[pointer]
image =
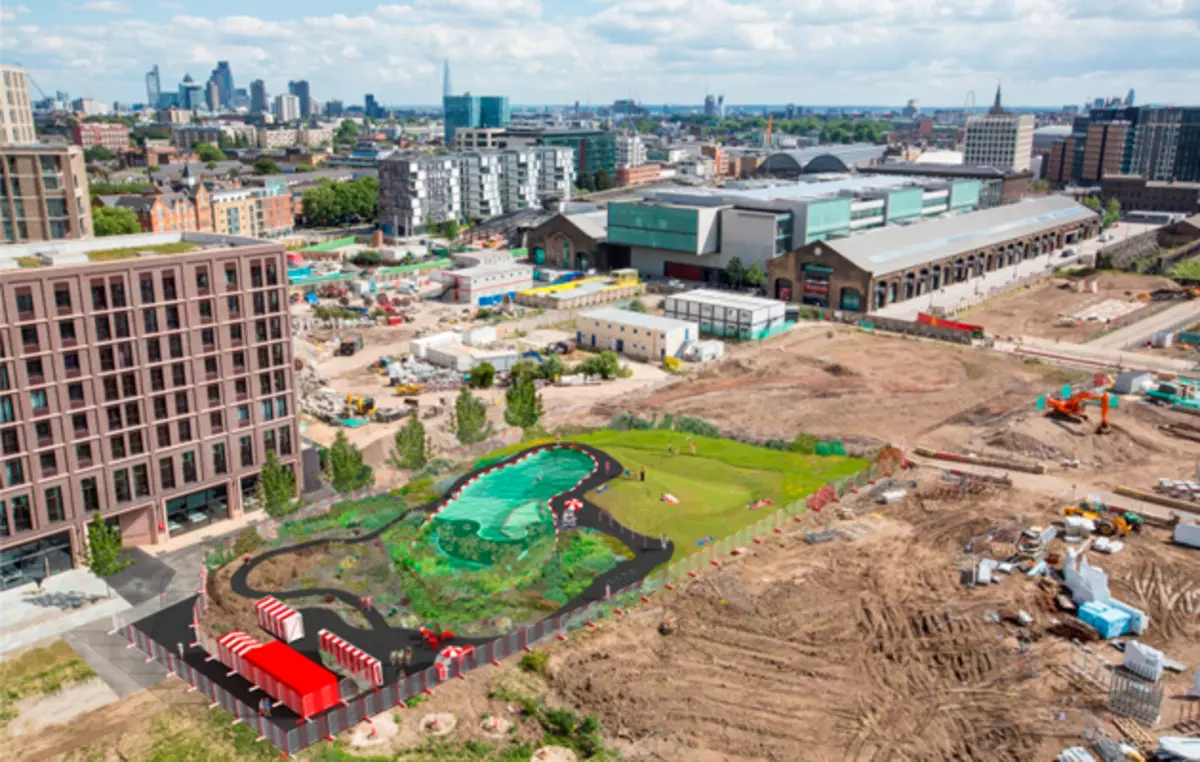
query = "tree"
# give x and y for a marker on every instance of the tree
(636, 306)
(523, 404)
(98, 153)
(754, 275)
(450, 229)
(265, 166)
(735, 271)
(586, 181)
(304, 168)
(470, 418)
(483, 375)
(1092, 202)
(411, 449)
(347, 472)
(1112, 213)
(606, 365)
(104, 554)
(552, 368)
(107, 220)
(211, 165)
(332, 203)
(223, 141)
(276, 488)
(234, 173)
(523, 369)
(208, 152)
(367, 258)
(603, 181)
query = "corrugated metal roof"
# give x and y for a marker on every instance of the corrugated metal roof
(897, 248)
(593, 224)
(726, 299)
(638, 319)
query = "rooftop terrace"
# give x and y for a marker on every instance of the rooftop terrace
(39, 254)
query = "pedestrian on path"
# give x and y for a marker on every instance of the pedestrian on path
(643, 475)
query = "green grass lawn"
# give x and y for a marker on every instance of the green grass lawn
(109, 255)
(714, 486)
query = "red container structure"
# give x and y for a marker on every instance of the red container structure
(351, 657)
(299, 684)
(279, 619)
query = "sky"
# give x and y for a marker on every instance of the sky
(807, 52)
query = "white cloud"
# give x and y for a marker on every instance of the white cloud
(107, 6)
(811, 52)
(170, 5)
(10, 14)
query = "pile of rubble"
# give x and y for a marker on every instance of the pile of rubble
(410, 370)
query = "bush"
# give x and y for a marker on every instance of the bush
(636, 306)
(777, 444)
(367, 258)
(483, 376)
(248, 541)
(535, 662)
(805, 444)
(628, 422)
(696, 426)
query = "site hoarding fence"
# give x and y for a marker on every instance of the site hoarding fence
(374, 702)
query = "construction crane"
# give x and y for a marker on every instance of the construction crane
(1072, 408)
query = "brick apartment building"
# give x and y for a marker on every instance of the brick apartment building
(1137, 194)
(147, 389)
(43, 193)
(114, 137)
(646, 173)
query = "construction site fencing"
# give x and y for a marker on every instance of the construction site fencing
(361, 708)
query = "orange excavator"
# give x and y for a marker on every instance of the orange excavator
(1073, 408)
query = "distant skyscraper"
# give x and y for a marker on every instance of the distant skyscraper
(16, 126)
(258, 97)
(446, 79)
(721, 106)
(459, 111)
(287, 108)
(1129, 98)
(224, 79)
(212, 95)
(333, 107)
(370, 107)
(191, 93)
(710, 106)
(153, 87)
(494, 111)
(299, 89)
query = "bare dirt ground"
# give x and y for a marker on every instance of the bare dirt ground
(1052, 310)
(867, 649)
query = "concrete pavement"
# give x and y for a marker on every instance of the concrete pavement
(1135, 335)
(1092, 357)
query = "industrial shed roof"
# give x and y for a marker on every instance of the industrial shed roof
(826, 158)
(727, 299)
(637, 319)
(897, 248)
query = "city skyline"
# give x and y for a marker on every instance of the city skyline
(1047, 52)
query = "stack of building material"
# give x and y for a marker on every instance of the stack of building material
(1144, 661)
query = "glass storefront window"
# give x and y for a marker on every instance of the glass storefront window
(196, 510)
(35, 560)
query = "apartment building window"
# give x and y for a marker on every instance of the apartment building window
(243, 415)
(43, 433)
(116, 446)
(75, 394)
(83, 454)
(150, 320)
(153, 350)
(90, 494)
(202, 282)
(14, 472)
(259, 303)
(8, 413)
(25, 303)
(239, 388)
(216, 420)
(285, 440)
(129, 385)
(39, 402)
(218, 459)
(35, 370)
(185, 431)
(4, 530)
(166, 473)
(133, 416)
(276, 329)
(235, 333)
(121, 325)
(157, 383)
(54, 505)
(267, 410)
(187, 462)
(214, 394)
(175, 346)
(136, 445)
(121, 491)
(269, 441)
(264, 383)
(264, 357)
(66, 332)
(71, 364)
(160, 408)
(111, 390)
(114, 417)
(10, 443)
(29, 338)
(277, 354)
(172, 314)
(5, 383)
(99, 296)
(235, 306)
(22, 514)
(246, 450)
(256, 276)
(169, 292)
(206, 310)
(163, 432)
(141, 481)
(273, 301)
(62, 298)
(79, 423)
(260, 330)
(108, 359)
(117, 291)
(146, 282)
(280, 381)
(239, 361)
(49, 464)
(103, 328)
(125, 355)
(231, 279)
(208, 339)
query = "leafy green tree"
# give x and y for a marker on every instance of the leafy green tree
(603, 181)
(276, 488)
(304, 168)
(483, 376)
(98, 153)
(104, 554)
(735, 271)
(470, 418)
(1112, 213)
(331, 203)
(1092, 202)
(265, 166)
(586, 181)
(523, 369)
(754, 275)
(523, 404)
(411, 448)
(607, 365)
(347, 472)
(636, 306)
(552, 368)
(118, 189)
(211, 165)
(108, 220)
(208, 152)
(224, 141)
(367, 258)
(233, 173)
(450, 229)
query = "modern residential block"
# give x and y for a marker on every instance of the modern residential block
(43, 193)
(114, 137)
(16, 110)
(148, 389)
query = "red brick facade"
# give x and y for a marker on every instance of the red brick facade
(114, 137)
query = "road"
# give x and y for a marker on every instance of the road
(1176, 317)
(1092, 356)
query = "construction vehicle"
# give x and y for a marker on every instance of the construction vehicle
(359, 405)
(350, 345)
(407, 389)
(1072, 408)
(1182, 392)
(1108, 523)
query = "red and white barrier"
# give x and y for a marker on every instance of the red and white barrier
(282, 621)
(448, 656)
(351, 657)
(231, 650)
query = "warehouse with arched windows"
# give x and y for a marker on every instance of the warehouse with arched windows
(874, 269)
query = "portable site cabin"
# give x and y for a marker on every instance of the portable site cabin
(301, 685)
(727, 314)
(281, 620)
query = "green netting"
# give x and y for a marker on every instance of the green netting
(830, 448)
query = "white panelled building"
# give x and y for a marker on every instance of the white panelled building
(631, 151)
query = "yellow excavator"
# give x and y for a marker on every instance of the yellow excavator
(1108, 523)
(359, 405)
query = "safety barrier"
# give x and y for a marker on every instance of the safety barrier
(326, 726)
